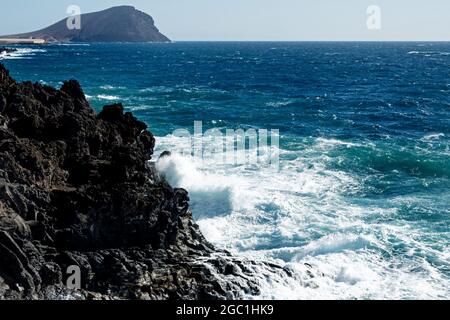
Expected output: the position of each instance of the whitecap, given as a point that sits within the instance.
(277, 104)
(107, 97)
(156, 89)
(210, 195)
(74, 44)
(433, 136)
(430, 53)
(337, 243)
(21, 53)
(110, 87)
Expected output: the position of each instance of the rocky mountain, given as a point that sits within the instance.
(117, 24)
(77, 189)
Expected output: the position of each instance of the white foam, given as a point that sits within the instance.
(433, 136)
(430, 53)
(110, 87)
(278, 104)
(300, 214)
(21, 53)
(336, 243)
(107, 97)
(211, 195)
(336, 142)
(156, 89)
(74, 44)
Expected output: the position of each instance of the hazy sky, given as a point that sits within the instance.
(255, 19)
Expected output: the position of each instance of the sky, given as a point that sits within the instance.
(256, 20)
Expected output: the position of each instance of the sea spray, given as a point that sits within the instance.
(211, 195)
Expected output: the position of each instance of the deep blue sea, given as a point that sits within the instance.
(362, 197)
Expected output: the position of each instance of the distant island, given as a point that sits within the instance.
(116, 24)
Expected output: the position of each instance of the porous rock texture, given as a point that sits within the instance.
(78, 189)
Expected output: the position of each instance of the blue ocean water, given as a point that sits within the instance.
(362, 198)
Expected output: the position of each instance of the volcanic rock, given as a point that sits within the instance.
(116, 24)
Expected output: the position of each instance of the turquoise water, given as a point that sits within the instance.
(363, 190)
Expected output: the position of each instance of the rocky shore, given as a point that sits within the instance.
(77, 189)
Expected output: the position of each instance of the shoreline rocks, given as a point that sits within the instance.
(77, 189)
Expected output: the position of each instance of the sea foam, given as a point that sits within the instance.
(300, 217)
(21, 53)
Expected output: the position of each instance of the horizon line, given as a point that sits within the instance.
(356, 40)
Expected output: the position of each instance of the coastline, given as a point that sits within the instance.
(86, 198)
(295, 217)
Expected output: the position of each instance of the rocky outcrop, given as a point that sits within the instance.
(77, 189)
(116, 24)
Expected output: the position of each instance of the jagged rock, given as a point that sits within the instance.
(77, 189)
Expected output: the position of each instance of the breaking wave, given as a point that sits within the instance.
(311, 216)
(21, 53)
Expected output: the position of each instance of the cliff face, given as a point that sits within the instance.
(77, 189)
(117, 24)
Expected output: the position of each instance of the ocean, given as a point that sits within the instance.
(359, 207)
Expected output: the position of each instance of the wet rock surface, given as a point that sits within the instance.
(77, 189)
